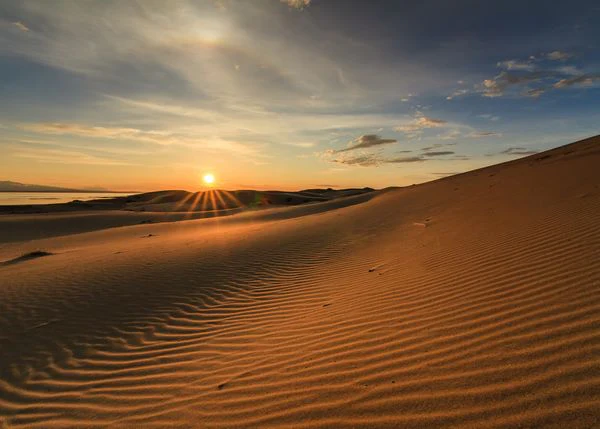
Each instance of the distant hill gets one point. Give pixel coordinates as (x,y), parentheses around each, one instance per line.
(213,202)
(8,186)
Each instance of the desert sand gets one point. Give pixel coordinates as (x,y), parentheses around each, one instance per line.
(30,222)
(472,301)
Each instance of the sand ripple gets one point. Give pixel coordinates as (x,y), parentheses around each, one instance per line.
(486,317)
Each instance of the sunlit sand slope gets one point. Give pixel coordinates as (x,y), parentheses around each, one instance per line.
(472,301)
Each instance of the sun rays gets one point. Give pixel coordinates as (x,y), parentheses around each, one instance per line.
(211,200)
(208,202)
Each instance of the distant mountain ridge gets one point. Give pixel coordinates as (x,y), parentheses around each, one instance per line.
(8,186)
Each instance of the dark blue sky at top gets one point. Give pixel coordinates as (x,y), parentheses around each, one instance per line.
(451,37)
(485,30)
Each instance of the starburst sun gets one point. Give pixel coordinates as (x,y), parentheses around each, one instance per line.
(208,179)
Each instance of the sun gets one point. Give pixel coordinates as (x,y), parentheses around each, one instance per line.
(208,179)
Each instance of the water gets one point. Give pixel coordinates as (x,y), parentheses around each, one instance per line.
(27,198)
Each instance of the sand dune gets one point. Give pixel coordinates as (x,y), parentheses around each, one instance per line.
(472,301)
(186,202)
(32,222)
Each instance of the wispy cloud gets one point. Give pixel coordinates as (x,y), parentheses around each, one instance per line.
(516,65)
(21,26)
(57,156)
(415,128)
(465,132)
(368,160)
(558,56)
(366,141)
(584,79)
(451,130)
(420,123)
(375,160)
(439,153)
(97,132)
(297,4)
(458,93)
(537,71)
(451,134)
(229,121)
(159,137)
(300,144)
(497,86)
(518,151)
(101,151)
(531,77)
(536,92)
(488,116)
(480,134)
(371,160)
(403,160)
(163,107)
(437,146)
(198,52)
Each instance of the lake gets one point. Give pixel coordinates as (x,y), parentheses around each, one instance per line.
(27,198)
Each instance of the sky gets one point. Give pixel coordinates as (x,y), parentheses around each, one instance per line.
(288,94)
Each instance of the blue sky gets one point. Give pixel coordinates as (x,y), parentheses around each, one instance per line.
(288,94)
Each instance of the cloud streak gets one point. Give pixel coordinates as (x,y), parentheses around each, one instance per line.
(497,86)
(375,160)
(536,71)
(368,160)
(558,56)
(516,65)
(421,123)
(297,4)
(158,137)
(415,128)
(21,26)
(367,141)
(403,160)
(532,77)
(439,153)
(371,160)
(97,132)
(57,156)
(518,151)
(437,146)
(481,134)
(584,79)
